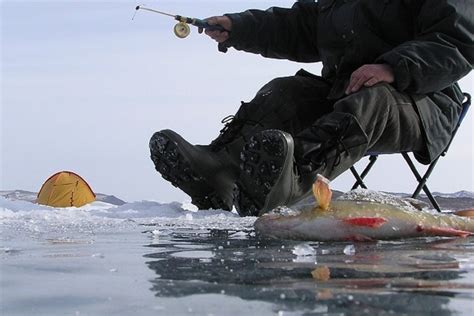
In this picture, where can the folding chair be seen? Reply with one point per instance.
(421, 179)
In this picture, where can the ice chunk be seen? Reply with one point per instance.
(349, 250)
(304, 253)
(304, 249)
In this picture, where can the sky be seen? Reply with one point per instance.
(83, 88)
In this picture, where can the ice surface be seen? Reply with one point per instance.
(96, 212)
(74, 249)
(150, 258)
(19, 217)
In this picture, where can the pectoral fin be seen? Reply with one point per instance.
(322, 192)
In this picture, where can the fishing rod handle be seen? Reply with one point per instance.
(207, 26)
(201, 23)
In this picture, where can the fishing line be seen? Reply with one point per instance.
(153, 10)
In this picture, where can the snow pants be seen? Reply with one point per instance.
(381, 119)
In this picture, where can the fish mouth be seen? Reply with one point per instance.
(273, 224)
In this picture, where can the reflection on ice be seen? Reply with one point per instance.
(194, 254)
(403, 277)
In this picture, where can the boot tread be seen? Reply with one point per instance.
(258, 176)
(174, 168)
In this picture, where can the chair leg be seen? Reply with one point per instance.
(422, 180)
(360, 178)
(359, 181)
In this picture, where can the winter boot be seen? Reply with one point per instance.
(207, 176)
(207, 173)
(268, 176)
(279, 170)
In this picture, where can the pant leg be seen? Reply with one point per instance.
(387, 117)
(376, 119)
(289, 103)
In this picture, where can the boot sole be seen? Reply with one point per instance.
(263, 160)
(174, 167)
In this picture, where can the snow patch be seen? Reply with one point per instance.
(19, 217)
(459, 194)
(365, 195)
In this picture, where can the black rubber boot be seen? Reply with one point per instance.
(205, 174)
(268, 177)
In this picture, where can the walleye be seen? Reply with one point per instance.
(358, 218)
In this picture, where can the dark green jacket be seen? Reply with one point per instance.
(429, 44)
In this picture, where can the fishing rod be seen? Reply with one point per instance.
(182, 29)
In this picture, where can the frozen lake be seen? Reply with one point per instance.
(147, 258)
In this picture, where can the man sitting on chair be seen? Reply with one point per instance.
(388, 85)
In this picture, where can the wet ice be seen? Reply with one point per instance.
(148, 257)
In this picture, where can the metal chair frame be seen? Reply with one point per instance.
(422, 180)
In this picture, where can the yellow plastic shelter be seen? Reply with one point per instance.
(65, 189)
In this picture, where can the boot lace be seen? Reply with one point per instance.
(334, 142)
(232, 129)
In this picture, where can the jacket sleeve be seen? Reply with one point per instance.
(277, 32)
(442, 51)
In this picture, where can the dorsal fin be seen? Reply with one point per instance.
(322, 192)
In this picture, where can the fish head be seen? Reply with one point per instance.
(288, 223)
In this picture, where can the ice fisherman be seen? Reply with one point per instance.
(388, 85)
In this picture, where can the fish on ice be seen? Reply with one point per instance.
(359, 218)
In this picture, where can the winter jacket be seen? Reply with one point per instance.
(428, 43)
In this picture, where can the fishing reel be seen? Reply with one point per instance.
(182, 30)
